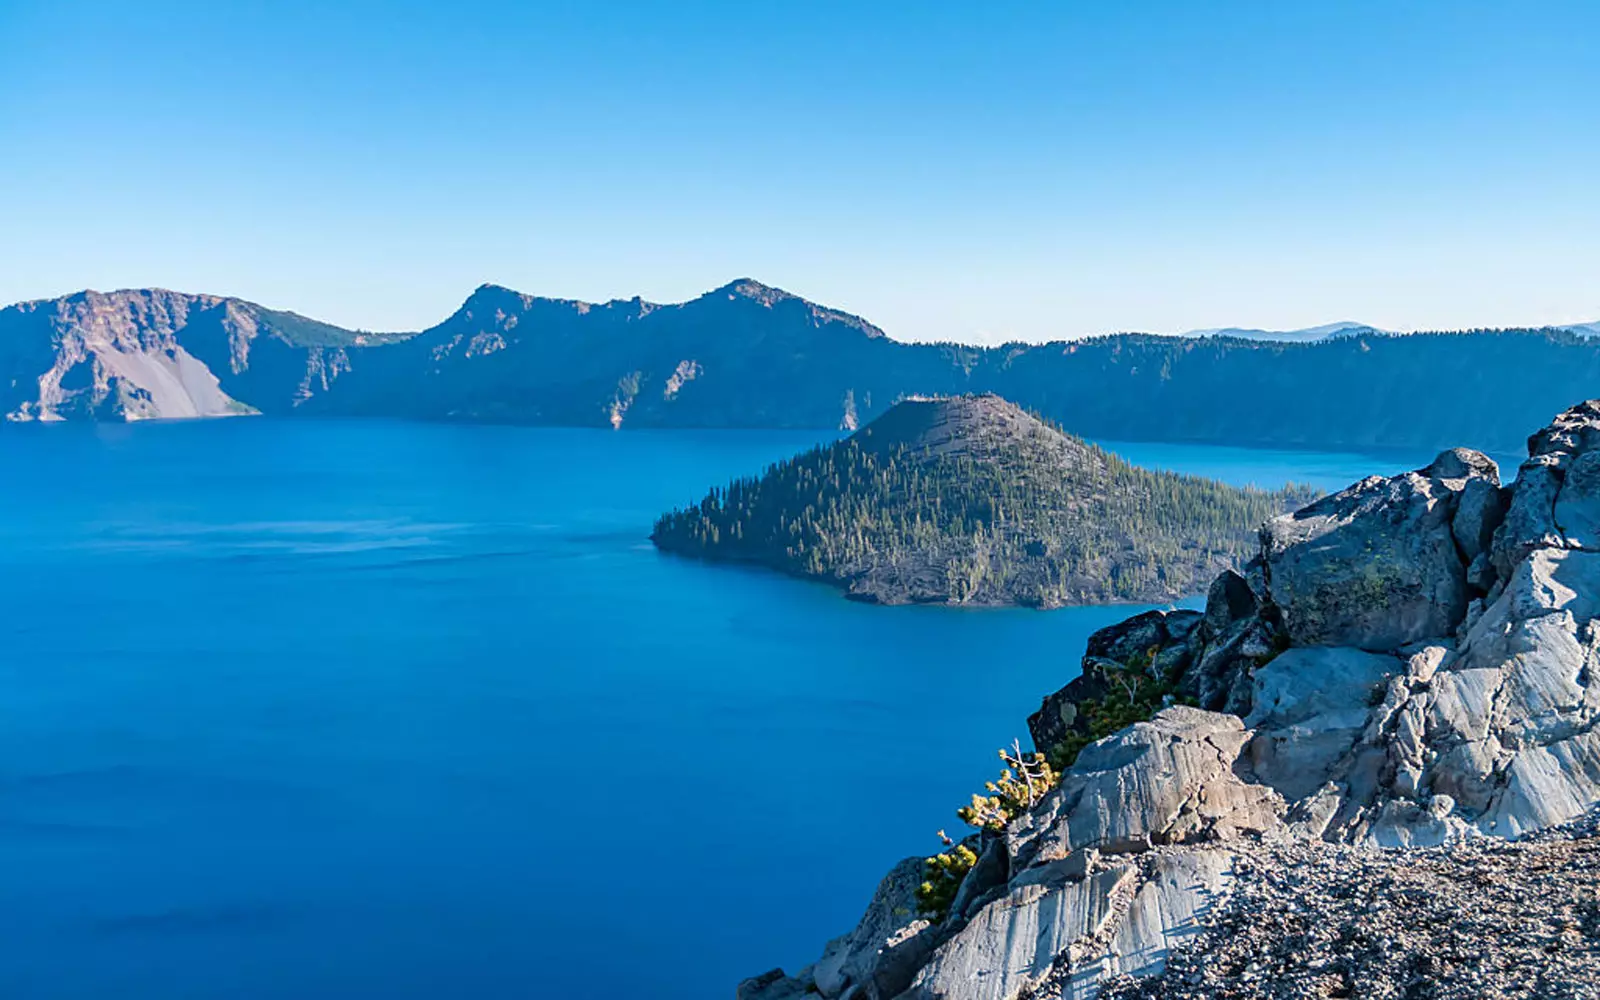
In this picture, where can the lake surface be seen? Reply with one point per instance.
(337, 710)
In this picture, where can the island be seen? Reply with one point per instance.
(972, 500)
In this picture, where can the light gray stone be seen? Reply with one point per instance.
(1170, 780)
(1014, 942)
(1311, 705)
(1577, 508)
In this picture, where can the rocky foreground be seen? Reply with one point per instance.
(1376, 741)
(1480, 917)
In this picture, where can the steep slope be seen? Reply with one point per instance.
(970, 500)
(1409, 669)
(135, 355)
(742, 355)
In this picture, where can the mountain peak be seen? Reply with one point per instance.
(491, 293)
(976, 425)
(756, 291)
(751, 290)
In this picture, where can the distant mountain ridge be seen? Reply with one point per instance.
(751, 355)
(1310, 334)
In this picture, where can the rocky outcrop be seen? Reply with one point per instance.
(1382, 563)
(1409, 663)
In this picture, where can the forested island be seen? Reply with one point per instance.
(971, 500)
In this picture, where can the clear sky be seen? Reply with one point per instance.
(973, 171)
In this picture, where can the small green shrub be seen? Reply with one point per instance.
(945, 872)
(1022, 783)
(1132, 695)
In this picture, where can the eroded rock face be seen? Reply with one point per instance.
(1095, 888)
(1170, 780)
(1378, 565)
(1413, 661)
(1311, 704)
(864, 958)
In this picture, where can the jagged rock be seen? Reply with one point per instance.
(1530, 517)
(773, 985)
(1169, 780)
(1229, 600)
(1512, 719)
(1577, 508)
(1310, 706)
(1220, 681)
(1376, 565)
(1158, 639)
(854, 958)
(1540, 502)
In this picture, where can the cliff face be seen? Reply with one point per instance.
(744, 355)
(972, 500)
(1407, 665)
(749, 355)
(137, 355)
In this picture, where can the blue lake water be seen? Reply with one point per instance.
(306, 710)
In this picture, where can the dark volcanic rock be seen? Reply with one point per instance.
(1157, 638)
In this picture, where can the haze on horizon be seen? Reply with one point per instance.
(947, 173)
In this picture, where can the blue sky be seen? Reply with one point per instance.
(965, 171)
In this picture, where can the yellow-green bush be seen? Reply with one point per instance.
(945, 872)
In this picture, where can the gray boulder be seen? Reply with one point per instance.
(1169, 780)
(1377, 565)
(1557, 490)
(1311, 705)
